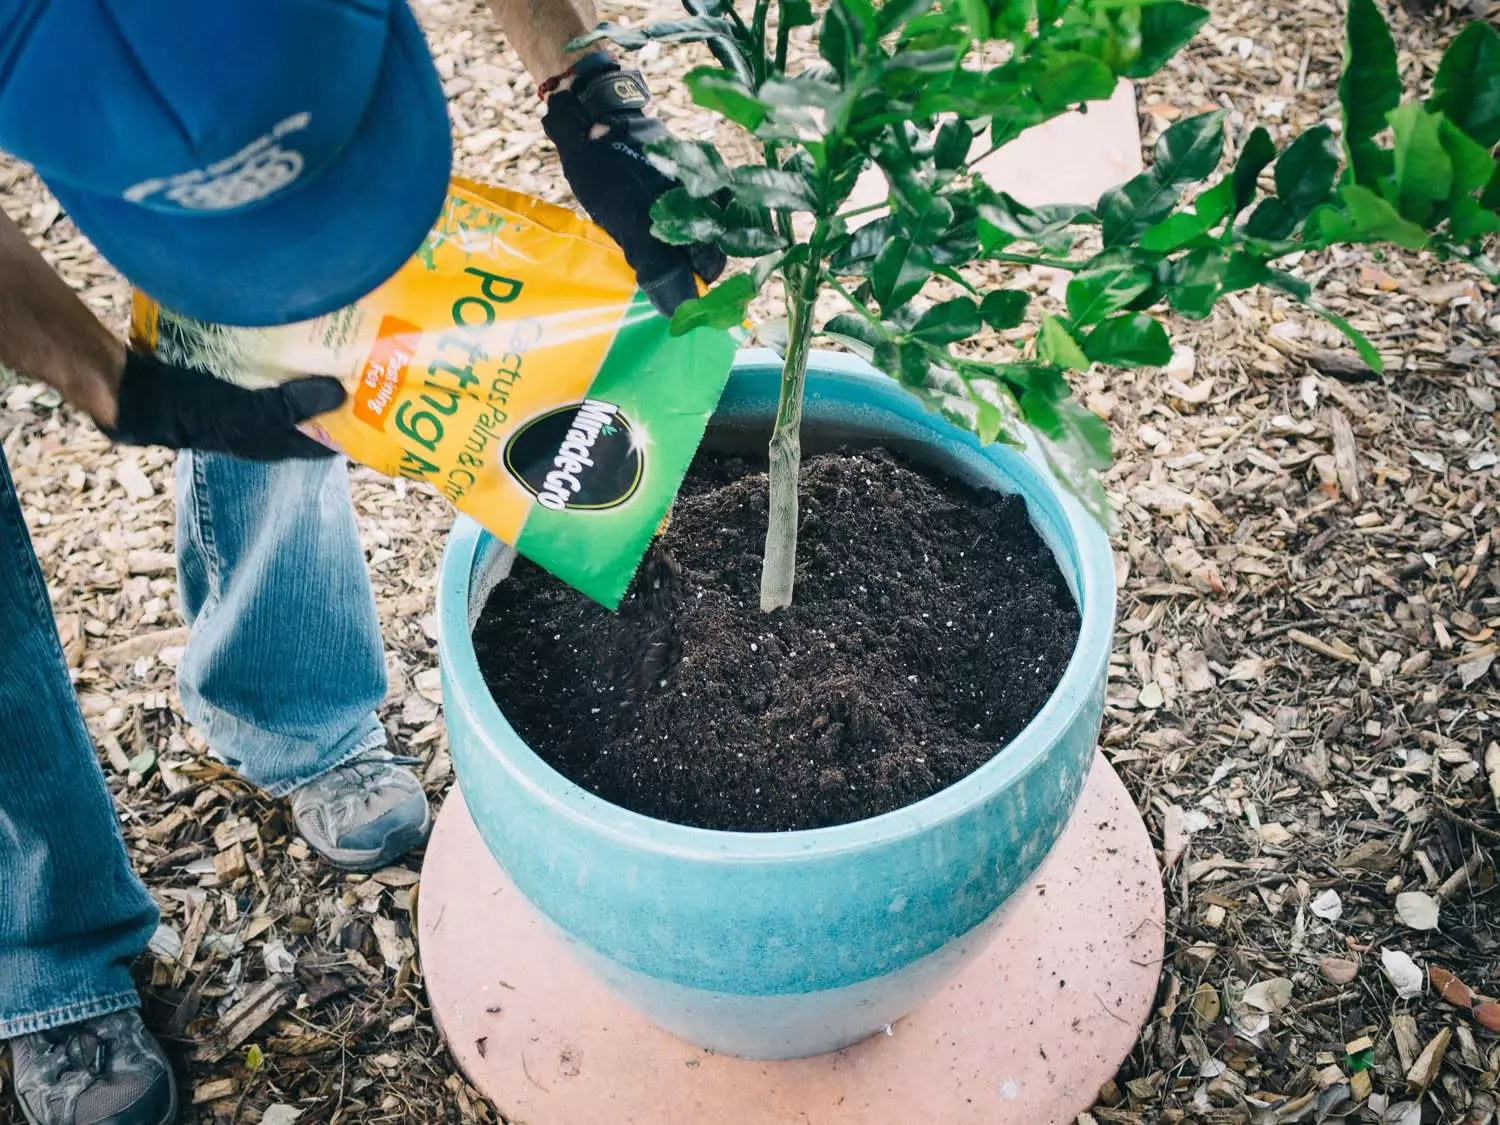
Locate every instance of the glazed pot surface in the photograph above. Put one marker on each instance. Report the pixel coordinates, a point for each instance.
(777, 945)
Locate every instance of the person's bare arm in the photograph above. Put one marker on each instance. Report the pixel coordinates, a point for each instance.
(540, 30)
(48, 334)
(596, 119)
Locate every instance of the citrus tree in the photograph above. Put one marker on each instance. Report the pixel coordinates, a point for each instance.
(923, 89)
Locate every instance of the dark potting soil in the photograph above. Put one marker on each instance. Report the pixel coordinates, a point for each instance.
(929, 624)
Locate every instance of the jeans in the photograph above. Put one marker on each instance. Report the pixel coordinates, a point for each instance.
(282, 673)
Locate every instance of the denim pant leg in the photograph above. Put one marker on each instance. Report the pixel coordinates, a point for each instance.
(72, 914)
(284, 665)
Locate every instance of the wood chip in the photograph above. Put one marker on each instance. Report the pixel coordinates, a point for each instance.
(1404, 1035)
(230, 863)
(1345, 456)
(1424, 1071)
(1333, 650)
(260, 1004)
(1359, 1085)
(1337, 970)
(213, 1090)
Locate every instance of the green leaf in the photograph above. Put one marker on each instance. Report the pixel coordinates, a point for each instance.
(1187, 152)
(749, 241)
(900, 271)
(1056, 345)
(1165, 30)
(796, 13)
(855, 333)
(1306, 172)
(1072, 77)
(1079, 432)
(898, 13)
(1271, 220)
(1284, 281)
(1095, 293)
(1472, 163)
(907, 71)
(1369, 89)
(1182, 228)
(680, 220)
(692, 29)
(713, 89)
(914, 365)
(1467, 86)
(863, 245)
(1197, 281)
(836, 43)
(697, 165)
(1004, 308)
(1469, 221)
(951, 145)
(722, 307)
(1129, 340)
(1173, 233)
(1490, 198)
(1424, 172)
(255, 1058)
(1361, 344)
(141, 764)
(1255, 157)
(774, 188)
(799, 92)
(1244, 271)
(976, 15)
(1375, 220)
(1080, 438)
(1004, 221)
(948, 322)
(933, 223)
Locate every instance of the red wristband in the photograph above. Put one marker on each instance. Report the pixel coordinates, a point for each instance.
(549, 87)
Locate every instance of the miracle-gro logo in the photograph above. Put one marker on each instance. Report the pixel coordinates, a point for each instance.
(580, 457)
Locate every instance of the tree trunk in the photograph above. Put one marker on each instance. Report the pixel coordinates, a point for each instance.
(778, 571)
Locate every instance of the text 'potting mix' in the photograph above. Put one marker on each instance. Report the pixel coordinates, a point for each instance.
(513, 365)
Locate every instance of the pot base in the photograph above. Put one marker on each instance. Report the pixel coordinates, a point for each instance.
(1025, 1035)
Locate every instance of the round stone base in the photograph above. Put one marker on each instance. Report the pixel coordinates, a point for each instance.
(1025, 1035)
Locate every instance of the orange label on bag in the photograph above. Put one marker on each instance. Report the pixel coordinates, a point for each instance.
(384, 372)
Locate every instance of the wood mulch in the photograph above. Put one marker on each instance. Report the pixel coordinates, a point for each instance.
(1303, 693)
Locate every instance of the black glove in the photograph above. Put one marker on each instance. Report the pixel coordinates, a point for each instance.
(159, 404)
(614, 181)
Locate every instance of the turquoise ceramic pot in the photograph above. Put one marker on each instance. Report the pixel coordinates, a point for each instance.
(790, 944)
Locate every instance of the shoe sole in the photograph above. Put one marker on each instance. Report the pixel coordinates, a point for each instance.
(169, 1118)
(172, 1106)
(362, 863)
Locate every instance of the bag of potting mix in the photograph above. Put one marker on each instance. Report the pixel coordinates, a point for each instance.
(514, 365)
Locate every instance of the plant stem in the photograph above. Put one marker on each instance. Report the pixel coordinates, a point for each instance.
(883, 205)
(1033, 260)
(758, 37)
(779, 569)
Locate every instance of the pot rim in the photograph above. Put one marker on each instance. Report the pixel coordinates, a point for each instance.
(1084, 539)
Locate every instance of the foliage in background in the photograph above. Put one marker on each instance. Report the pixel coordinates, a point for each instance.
(923, 89)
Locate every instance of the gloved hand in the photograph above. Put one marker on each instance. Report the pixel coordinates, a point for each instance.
(159, 404)
(601, 136)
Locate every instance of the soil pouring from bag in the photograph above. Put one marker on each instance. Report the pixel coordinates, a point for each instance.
(929, 625)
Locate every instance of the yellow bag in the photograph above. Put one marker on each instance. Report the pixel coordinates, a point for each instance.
(514, 365)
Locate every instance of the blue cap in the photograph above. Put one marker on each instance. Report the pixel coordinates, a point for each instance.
(250, 162)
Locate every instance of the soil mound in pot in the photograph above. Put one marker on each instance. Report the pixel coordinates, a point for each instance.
(930, 623)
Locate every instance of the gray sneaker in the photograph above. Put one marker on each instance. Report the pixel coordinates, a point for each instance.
(105, 1071)
(365, 814)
